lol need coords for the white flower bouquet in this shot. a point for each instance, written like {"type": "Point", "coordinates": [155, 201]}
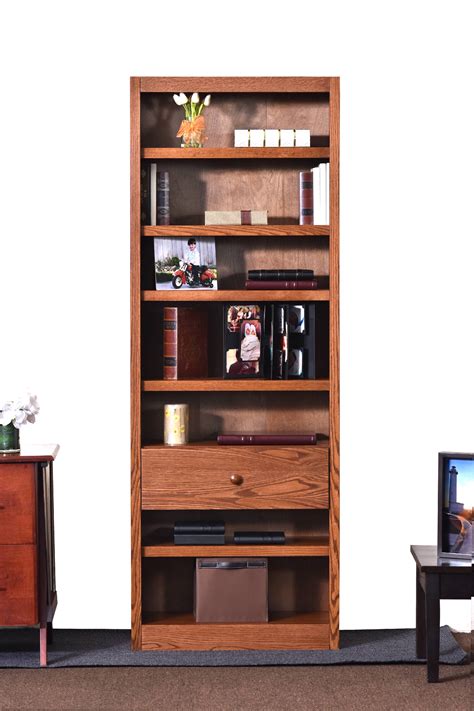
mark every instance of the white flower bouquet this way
{"type": "Point", "coordinates": [20, 411]}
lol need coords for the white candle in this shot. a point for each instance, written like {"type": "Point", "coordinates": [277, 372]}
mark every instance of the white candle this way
{"type": "Point", "coordinates": [176, 425]}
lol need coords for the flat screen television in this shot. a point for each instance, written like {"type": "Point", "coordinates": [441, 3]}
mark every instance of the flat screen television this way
{"type": "Point", "coordinates": [455, 504]}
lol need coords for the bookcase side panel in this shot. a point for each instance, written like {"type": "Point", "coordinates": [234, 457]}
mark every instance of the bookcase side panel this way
{"type": "Point", "coordinates": [135, 359]}
{"type": "Point", "coordinates": [334, 368]}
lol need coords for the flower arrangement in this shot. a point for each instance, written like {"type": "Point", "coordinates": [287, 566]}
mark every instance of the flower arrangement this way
{"type": "Point", "coordinates": [20, 411]}
{"type": "Point", "coordinates": [192, 127]}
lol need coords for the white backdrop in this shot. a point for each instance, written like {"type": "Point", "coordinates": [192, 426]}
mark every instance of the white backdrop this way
{"type": "Point", "coordinates": [406, 261]}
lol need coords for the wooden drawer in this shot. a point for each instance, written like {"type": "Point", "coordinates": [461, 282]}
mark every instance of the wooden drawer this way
{"type": "Point", "coordinates": [268, 477]}
{"type": "Point", "coordinates": [18, 605]}
{"type": "Point", "coordinates": [17, 503]}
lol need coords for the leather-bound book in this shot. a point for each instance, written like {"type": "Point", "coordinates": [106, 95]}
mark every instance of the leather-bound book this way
{"type": "Point", "coordinates": [280, 274]}
{"type": "Point", "coordinates": [306, 197]}
{"type": "Point", "coordinates": [259, 537]}
{"type": "Point", "coordinates": [184, 342]}
{"type": "Point", "coordinates": [271, 284]}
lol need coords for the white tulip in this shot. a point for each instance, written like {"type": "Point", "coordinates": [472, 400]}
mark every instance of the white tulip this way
{"type": "Point", "coordinates": [20, 411]}
{"type": "Point", "coordinates": [195, 98]}
{"type": "Point", "coordinates": [207, 100]}
{"type": "Point", "coordinates": [180, 99]}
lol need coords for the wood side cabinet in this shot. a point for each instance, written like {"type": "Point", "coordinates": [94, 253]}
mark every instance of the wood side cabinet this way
{"type": "Point", "coordinates": [27, 575]}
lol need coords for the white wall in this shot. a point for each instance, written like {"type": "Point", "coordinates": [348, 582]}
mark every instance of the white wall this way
{"type": "Point", "coordinates": [406, 260]}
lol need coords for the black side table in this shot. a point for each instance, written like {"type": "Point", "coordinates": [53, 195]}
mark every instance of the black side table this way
{"type": "Point", "coordinates": [436, 579]}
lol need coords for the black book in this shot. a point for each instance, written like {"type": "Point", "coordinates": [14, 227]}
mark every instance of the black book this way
{"type": "Point", "coordinates": [198, 539]}
{"type": "Point", "coordinates": [162, 198]}
{"type": "Point", "coordinates": [200, 527]}
{"type": "Point", "coordinates": [280, 274]}
{"type": "Point", "coordinates": [256, 537]}
{"type": "Point", "coordinates": [145, 194]}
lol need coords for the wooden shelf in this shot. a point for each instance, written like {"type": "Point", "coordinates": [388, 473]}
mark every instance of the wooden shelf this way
{"type": "Point", "coordinates": [284, 630]}
{"type": "Point", "coordinates": [235, 231]}
{"type": "Point", "coordinates": [239, 385]}
{"type": "Point", "coordinates": [234, 153]}
{"type": "Point", "coordinates": [246, 296]}
{"type": "Point", "coordinates": [297, 547]}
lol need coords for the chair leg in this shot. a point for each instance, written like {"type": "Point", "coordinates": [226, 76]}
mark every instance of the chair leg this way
{"type": "Point", "coordinates": [43, 646]}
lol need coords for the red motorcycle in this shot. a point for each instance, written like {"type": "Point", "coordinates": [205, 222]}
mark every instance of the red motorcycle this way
{"type": "Point", "coordinates": [184, 275]}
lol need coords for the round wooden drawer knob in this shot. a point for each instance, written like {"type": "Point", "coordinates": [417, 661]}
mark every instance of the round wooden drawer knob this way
{"type": "Point", "coordinates": [237, 479]}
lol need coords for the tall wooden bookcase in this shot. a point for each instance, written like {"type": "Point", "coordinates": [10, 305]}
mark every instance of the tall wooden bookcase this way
{"type": "Point", "coordinates": [294, 488]}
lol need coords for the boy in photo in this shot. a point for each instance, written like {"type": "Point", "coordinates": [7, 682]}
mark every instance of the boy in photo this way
{"type": "Point", "coordinates": [193, 258]}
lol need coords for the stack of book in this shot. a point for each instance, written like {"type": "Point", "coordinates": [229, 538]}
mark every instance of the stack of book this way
{"type": "Point", "coordinates": [266, 438]}
{"type": "Point", "coordinates": [188, 533]}
{"type": "Point", "coordinates": [155, 195]}
{"type": "Point", "coordinates": [284, 279]}
{"type": "Point", "coordinates": [314, 195]}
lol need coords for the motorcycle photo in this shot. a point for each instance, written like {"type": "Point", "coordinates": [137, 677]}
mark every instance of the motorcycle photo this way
{"type": "Point", "coordinates": [202, 276]}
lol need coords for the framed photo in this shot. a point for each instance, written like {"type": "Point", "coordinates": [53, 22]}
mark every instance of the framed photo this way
{"type": "Point", "coordinates": [243, 341]}
{"type": "Point", "coordinates": [455, 503]}
{"type": "Point", "coordinates": [185, 263]}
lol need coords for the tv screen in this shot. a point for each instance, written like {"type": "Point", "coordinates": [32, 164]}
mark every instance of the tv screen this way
{"type": "Point", "coordinates": [456, 484]}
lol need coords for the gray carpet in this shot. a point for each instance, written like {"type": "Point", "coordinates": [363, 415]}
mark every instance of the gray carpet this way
{"type": "Point", "coordinates": [111, 648]}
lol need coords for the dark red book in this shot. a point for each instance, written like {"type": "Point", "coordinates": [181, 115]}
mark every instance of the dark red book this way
{"type": "Point", "coordinates": [300, 284]}
{"type": "Point", "coordinates": [184, 342]}
{"type": "Point", "coordinates": [266, 439]}
{"type": "Point", "coordinates": [306, 197]}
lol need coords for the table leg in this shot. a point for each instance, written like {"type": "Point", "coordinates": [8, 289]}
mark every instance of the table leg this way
{"type": "Point", "coordinates": [43, 646]}
{"type": "Point", "coordinates": [432, 625]}
{"type": "Point", "coordinates": [420, 618]}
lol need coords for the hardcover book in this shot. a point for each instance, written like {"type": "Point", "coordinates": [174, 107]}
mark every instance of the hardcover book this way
{"type": "Point", "coordinates": [306, 197]}
{"type": "Point", "coordinates": [280, 274]}
{"type": "Point", "coordinates": [163, 198]}
{"type": "Point", "coordinates": [274, 284]}
{"type": "Point", "coordinates": [236, 217]}
{"type": "Point", "coordinates": [268, 438]}
{"type": "Point", "coordinates": [185, 263]}
{"type": "Point", "coordinates": [184, 342]}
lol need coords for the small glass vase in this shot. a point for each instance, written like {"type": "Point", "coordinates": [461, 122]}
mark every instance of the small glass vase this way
{"type": "Point", "coordinates": [9, 439]}
{"type": "Point", "coordinates": [191, 133]}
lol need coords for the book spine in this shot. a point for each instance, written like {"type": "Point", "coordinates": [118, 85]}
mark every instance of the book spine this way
{"type": "Point", "coordinates": [163, 198]}
{"type": "Point", "coordinates": [328, 192]}
{"type": "Point", "coordinates": [153, 172]}
{"type": "Point", "coordinates": [145, 194]}
{"type": "Point", "coordinates": [306, 197]}
{"type": "Point", "coordinates": [170, 343]}
{"type": "Point", "coordinates": [236, 439]}
{"type": "Point", "coordinates": [324, 186]}
{"type": "Point", "coordinates": [317, 215]}
{"type": "Point", "coordinates": [280, 274]}
{"type": "Point", "coordinates": [182, 527]}
{"type": "Point", "coordinates": [300, 284]}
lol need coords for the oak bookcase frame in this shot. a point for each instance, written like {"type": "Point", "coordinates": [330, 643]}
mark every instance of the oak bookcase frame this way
{"type": "Point", "coordinates": [306, 629]}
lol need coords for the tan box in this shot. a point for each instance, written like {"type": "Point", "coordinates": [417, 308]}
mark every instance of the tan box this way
{"type": "Point", "coordinates": [236, 217]}
{"type": "Point", "coordinates": [231, 590]}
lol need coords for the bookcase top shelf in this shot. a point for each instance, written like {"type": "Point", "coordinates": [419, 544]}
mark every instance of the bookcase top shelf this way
{"type": "Point", "coordinates": [230, 385]}
{"type": "Point", "coordinates": [246, 296]}
{"type": "Point", "coordinates": [236, 85]}
{"type": "Point", "coordinates": [235, 231]}
{"type": "Point", "coordinates": [234, 153]}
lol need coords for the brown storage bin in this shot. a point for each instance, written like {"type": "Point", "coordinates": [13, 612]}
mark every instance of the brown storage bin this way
{"type": "Point", "coordinates": [231, 590]}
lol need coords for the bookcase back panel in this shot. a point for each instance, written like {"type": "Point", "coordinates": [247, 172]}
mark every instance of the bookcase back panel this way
{"type": "Point", "coordinates": [213, 413]}
{"type": "Point", "coordinates": [158, 525]}
{"type": "Point", "coordinates": [294, 585]}
{"type": "Point", "coordinates": [161, 117]}
{"type": "Point", "coordinates": [200, 185]}
{"type": "Point", "coordinates": [236, 256]}
{"type": "Point", "coordinates": [152, 339]}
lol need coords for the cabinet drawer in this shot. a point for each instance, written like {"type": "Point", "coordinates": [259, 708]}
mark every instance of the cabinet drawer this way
{"type": "Point", "coordinates": [18, 605]}
{"type": "Point", "coordinates": [226, 477]}
{"type": "Point", "coordinates": [17, 503]}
